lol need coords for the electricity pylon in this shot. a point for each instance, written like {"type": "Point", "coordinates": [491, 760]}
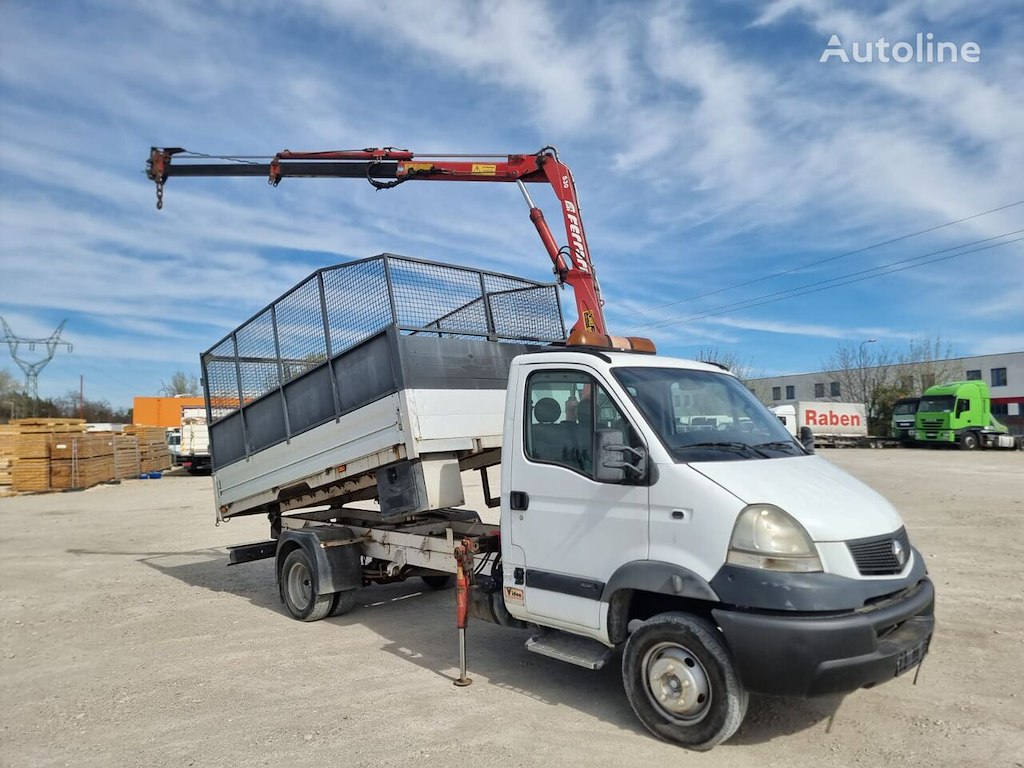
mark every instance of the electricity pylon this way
{"type": "Point", "coordinates": [31, 369]}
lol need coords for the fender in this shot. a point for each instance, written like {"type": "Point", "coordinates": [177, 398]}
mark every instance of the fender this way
{"type": "Point", "coordinates": [335, 568]}
{"type": "Point", "coordinates": [661, 578]}
{"type": "Point", "coordinates": [650, 576]}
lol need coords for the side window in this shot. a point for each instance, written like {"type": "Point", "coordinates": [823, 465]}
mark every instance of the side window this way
{"type": "Point", "coordinates": [566, 409]}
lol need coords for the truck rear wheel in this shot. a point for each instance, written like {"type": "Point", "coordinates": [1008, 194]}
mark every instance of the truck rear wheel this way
{"type": "Point", "coordinates": [681, 682]}
{"type": "Point", "coordinates": [342, 602]}
{"type": "Point", "coordinates": [440, 581]}
{"type": "Point", "coordinates": [297, 592]}
{"type": "Point", "coordinates": [968, 441]}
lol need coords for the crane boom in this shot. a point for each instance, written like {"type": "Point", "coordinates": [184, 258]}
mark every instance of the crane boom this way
{"type": "Point", "coordinates": [388, 167]}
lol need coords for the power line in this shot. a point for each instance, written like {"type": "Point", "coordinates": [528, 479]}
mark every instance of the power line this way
{"type": "Point", "coordinates": [744, 302]}
{"type": "Point", "coordinates": [830, 258]}
{"type": "Point", "coordinates": [835, 282]}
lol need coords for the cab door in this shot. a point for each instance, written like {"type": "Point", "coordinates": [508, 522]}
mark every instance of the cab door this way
{"type": "Point", "coordinates": [569, 531]}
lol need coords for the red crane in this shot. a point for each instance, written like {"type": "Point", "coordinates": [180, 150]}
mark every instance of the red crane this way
{"type": "Point", "coordinates": [388, 167]}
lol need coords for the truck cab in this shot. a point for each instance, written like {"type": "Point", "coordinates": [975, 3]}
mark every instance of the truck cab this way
{"type": "Point", "coordinates": [704, 552]}
{"type": "Point", "coordinates": [960, 413]}
{"type": "Point", "coordinates": [903, 414]}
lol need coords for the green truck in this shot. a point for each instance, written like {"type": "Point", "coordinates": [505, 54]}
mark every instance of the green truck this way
{"type": "Point", "coordinates": [960, 413]}
{"type": "Point", "coordinates": [904, 414]}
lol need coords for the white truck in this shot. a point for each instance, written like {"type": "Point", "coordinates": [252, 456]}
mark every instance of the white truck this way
{"type": "Point", "coordinates": [194, 441]}
{"type": "Point", "coordinates": [720, 561]}
{"type": "Point", "coordinates": [833, 424]}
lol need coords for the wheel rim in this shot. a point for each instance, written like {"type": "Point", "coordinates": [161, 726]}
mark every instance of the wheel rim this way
{"type": "Point", "coordinates": [676, 683]}
{"type": "Point", "coordinates": [300, 586]}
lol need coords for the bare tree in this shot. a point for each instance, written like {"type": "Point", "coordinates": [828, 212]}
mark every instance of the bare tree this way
{"type": "Point", "coordinates": [925, 363]}
{"type": "Point", "coordinates": [741, 367]}
{"type": "Point", "coordinates": [181, 384]}
{"type": "Point", "coordinates": [8, 385]}
{"type": "Point", "coordinates": [862, 372]}
{"type": "Point", "coordinates": [879, 377]}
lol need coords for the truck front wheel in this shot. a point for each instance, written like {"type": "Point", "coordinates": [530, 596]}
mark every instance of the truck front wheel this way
{"type": "Point", "coordinates": [681, 682]}
{"type": "Point", "coordinates": [296, 586]}
{"type": "Point", "coordinates": [968, 441]}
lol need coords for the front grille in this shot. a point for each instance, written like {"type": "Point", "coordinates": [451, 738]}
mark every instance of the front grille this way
{"type": "Point", "coordinates": [935, 423]}
{"type": "Point", "coordinates": [879, 555]}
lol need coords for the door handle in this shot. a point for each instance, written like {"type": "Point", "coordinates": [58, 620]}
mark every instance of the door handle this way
{"type": "Point", "coordinates": [678, 514]}
{"type": "Point", "coordinates": [519, 500]}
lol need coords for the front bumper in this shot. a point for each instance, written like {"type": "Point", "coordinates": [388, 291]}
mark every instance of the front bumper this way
{"type": "Point", "coordinates": [805, 655]}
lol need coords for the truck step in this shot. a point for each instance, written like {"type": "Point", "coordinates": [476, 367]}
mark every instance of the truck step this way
{"type": "Point", "coordinates": [581, 651]}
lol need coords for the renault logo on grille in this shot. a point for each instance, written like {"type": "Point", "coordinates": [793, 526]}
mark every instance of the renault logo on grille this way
{"type": "Point", "coordinates": [899, 553]}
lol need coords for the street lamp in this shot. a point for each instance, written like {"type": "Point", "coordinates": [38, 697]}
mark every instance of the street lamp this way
{"type": "Point", "coordinates": [869, 399]}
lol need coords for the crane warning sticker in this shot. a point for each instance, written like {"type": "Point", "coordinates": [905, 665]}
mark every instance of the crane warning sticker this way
{"type": "Point", "coordinates": [484, 169]}
{"type": "Point", "coordinates": [588, 320]}
{"type": "Point", "coordinates": [513, 595]}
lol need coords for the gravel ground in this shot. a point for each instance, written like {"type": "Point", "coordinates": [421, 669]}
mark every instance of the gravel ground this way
{"type": "Point", "coordinates": [125, 641]}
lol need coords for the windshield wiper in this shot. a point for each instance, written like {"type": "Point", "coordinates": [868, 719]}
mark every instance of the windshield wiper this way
{"type": "Point", "coordinates": [778, 445]}
{"type": "Point", "coordinates": [724, 445]}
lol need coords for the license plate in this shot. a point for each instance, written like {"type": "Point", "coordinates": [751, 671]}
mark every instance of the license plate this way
{"type": "Point", "coordinates": [911, 657]}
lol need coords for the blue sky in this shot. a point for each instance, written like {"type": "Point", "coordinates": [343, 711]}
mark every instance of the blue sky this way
{"type": "Point", "coordinates": [710, 148]}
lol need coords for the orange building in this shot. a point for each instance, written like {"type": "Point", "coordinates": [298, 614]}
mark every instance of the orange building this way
{"type": "Point", "coordinates": [162, 411]}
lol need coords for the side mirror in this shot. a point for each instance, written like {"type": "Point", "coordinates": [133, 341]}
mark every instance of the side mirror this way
{"type": "Point", "coordinates": [613, 458]}
{"type": "Point", "coordinates": [807, 439]}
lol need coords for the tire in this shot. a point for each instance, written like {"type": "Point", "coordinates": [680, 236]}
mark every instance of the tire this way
{"type": "Point", "coordinates": [440, 581]}
{"type": "Point", "coordinates": [968, 441]}
{"type": "Point", "coordinates": [670, 655]}
{"type": "Point", "coordinates": [342, 602]}
{"type": "Point", "coordinates": [296, 587]}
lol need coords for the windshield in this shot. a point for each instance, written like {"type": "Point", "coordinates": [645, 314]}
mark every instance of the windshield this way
{"type": "Point", "coordinates": [902, 409]}
{"type": "Point", "coordinates": [936, 404]}
{"type": "Point", "coordinates": [706, 416]}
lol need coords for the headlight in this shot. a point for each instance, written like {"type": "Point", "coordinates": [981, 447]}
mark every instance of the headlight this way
{"type": "Point", "coordinates": [766, 537]}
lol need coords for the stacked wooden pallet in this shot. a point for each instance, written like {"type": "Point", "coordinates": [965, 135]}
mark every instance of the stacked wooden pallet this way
{"type": "Point", "coordinates": [8, 432]}
{"type": "Point", "coordinates": [154, 455]}
{"type": "Point", "coordinates": [31, 470]}
{"type": "Point", "coordinates": [81, 460]}
{"type": "Point", "coordinates": [127, 462]}
{"type": "Point", "coordinates": [58, 454]}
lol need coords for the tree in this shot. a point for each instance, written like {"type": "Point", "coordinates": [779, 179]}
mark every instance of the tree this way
{"type": "Point", "coordinates": [925, 363]}
{"type": "Point", "coordinates": [879, 377]}
{"type": "Point", "coordinates": [92, 410]}
{"type": "Point", "coordinates": [181, 384]}
{"type": "Point", "coordinates": [8, 385]}
{"type": "Point", "coordinates": [742, 368]}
